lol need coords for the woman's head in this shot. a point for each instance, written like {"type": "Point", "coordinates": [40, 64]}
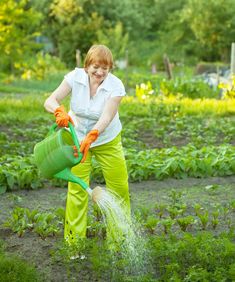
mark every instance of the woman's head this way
{"type": "Point", "coordinates": [100, 55]}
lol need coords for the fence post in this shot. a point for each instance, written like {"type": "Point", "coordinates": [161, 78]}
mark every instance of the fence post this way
{"type": "Point", "coordinates": [167, 66]}
{"type": "Point", "coordinates": [232, 66]}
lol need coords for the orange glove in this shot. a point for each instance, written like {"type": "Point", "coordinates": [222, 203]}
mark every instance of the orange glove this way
{"type": "Point", "coordinates": [86, 143]}
{"type": "Point", "coordinates": [75, 151]}
{"type": "Point", "coordinates": [62, 117]}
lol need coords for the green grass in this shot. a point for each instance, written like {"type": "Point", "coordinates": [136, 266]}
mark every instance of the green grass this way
{"type": "Point", "coordinates": [16, 85]}
{"type": "Point", "coordinates": [14, 269]}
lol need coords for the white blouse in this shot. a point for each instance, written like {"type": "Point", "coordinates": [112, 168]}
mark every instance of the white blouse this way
{"type": "Point", "coordinates": [85, 110]}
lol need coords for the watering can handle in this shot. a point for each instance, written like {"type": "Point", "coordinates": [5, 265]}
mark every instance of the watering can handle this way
{"type": "Point", "coordinates": [74, 136]}
{"type": "Point", "coordinates": [73, 133]}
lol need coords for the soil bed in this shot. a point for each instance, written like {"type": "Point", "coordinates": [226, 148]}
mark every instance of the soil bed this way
{"type": "Point", "coordinates": [37, 251]}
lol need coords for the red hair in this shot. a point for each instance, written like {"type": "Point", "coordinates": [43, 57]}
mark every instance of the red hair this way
{"type": "Point", "coordinates": [99, 54]}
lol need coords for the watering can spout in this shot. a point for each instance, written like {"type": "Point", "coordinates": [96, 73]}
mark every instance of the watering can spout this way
{"type": "Point", "coordinates": [67, 175]}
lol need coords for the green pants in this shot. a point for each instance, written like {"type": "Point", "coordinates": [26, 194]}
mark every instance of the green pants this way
{"type": "Point", "coordinates": [112, 161]}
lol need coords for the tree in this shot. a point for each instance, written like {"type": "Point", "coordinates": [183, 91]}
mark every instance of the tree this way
{"type": "Point", "coordinates": [19, 27]}
{"type": "Point", "coordinates": [213, 25]}
{"type": "Point", "coordinates": [115, 39]}
{"type": "Point", "coordinates": [72, 27]}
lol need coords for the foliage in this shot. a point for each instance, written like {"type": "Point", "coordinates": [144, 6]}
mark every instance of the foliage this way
{"type": "Point", "coordinates": [18, 173]}
{"type": "Point", "coordinates": [60, 27]}
{"type": "Point", "coordinates": [205, 20]}
{"type": "Point", "coordinates": [200, 257]}
{"type": "Point", "coordinates": [172, 105]}
{"type": "Point", "coordinates": [80, 35]}
{"type": "Point", "coordinates": [115, 39]}
{"type": "Point", "coordinates": [177, 163]}
{"type": "Point", "coordinates": [73, 25]}
{"type": "Point", "coordinates": [228, 89]}
{"type": "Point", "coordinates": [133, 76]}
{"type": "Point", "coordinates": [167, 136]}
{"type": "Point", "coordinates": [13, 84]}
{"type": "Point", "coordinates": [193, 88]}
{"type": "Point", "coordinates": [13, 268]}
{"type": "Point", "coordinates": [19, 26]}
{"type": "Point", "coordinates": [200, 30]}
{"type": "Point", "coordinates": [180, 87]}
{"type": "Point", "coordinates": [173, 247]}
{"type": "Point", "coordinates": [40, 67]}
{"type": "Point", "coordinates": [43, 223]}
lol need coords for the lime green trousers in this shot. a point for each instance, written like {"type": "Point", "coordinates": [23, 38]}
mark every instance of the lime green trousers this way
{"type": "Point", "coordinates": [112, 161]}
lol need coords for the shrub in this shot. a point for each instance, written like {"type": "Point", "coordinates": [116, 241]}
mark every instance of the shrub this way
{"type": "Point", "coordinates": [39, 67]}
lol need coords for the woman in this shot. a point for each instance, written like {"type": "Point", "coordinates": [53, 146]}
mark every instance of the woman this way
{"type": "Point", "coordinates": [95, 97]}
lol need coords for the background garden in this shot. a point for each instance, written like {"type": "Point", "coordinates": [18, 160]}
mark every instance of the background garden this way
{"type": "Point", "coordinates": [178, 136]}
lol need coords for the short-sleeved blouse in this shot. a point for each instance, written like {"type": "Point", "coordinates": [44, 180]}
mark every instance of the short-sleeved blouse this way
{"type": "Point", "coordinates": [86, 110]}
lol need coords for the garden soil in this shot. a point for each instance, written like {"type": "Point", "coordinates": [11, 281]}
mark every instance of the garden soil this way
{"type": "Point", "coordinates": [38, 251]}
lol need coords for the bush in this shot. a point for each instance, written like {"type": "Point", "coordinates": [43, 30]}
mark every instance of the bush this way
{"type": "Point", "coordinates": [39, 67]}
{"type": "Point", "coordinates": [193, 88]}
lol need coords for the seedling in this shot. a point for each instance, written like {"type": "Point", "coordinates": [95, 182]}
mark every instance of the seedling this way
{"type": "Point", "coordinates": [160, 209]}
{"type": "Point", "coordinates": [215, 219]}
{"type": "Point", "coordinates": [197, 208]}
{"type": "Point", "coordinates": [175, 197]}
{"type": "Point", "coordinates": [151, 223]}
{"type": "Point", "coordinates": [22, 219]}
{"type": "Point", "coordinates": [173, 212]}
{"type": "Point", "coordinates": [167, 224]}
{"type": "Point", "coordinates": [19, 221]}
{"type": "Point", "coordinates": [185, 222]}
{"type": "Point", "coordinates": [204, 218]}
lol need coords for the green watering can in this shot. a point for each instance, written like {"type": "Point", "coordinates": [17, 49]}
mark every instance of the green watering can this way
{"type": "Point", "coordinates": [54, 156]}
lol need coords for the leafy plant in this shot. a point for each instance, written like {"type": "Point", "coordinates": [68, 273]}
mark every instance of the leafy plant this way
{"type": "Point", "coordinates": [193, 256]}
{"type": "Point", "coordinates": [185, 222]}
{"type": "Point", "coordinates": [204, 218]}
{"type": "Point", "coordinates": [151, 223]}
{"type": "Point", "coordinates": [160, 208]}
{"type": "Point", "coordinates": [44, 224]}
{"type": "Point", "coordinates": [228, 88]}
{"type": "Point", "coordinates": [167, 224]}
{"type": "Point", "coordinates": [215, 219]}
{"type": "Point", "coordinates": [19, 221]}
{"type": "Point", "coordinates": [13, 268]}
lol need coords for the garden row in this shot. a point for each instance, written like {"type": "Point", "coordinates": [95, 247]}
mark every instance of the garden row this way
{"type": "Point", "coordinates": [18, 172]}
{"type": "Point", "coordinates": [177, 238]}
{"type": "Point", "coordinates": [165, 137]}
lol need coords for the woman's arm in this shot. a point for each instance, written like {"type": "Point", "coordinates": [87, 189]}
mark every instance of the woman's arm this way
{"type": "Point", "coordinates": [110, 110]}
{"type": "Point", "coordinates": [53, 101]}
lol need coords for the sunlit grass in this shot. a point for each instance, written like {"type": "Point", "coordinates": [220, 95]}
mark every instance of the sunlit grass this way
{"type": "Point", "coordinates": [16, 85]}
{"type": "Point", "coordinates": [24, 107]}
{"type": "Point", "coordinates": [184, 105]}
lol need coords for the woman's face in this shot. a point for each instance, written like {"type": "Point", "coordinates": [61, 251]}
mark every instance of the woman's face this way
{"type": "Point", "coordinates": [97, 72]}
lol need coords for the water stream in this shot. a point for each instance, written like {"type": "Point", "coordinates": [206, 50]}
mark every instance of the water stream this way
{"type": "Point", "coordinates": [123, 233]}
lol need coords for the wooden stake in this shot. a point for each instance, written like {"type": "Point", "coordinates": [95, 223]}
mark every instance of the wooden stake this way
{"type": "Point", "coordinates": [232, 68]}
{"type": "Point", "coordinates": [167, 66]}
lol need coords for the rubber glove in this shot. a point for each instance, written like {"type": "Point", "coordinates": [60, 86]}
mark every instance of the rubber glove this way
{"type": "Point", "coordinates": [62, 117]}
{"type": "Point", "coordinates": [86, 143]}
{"type": "Point", "coordinates": [75, 151]}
